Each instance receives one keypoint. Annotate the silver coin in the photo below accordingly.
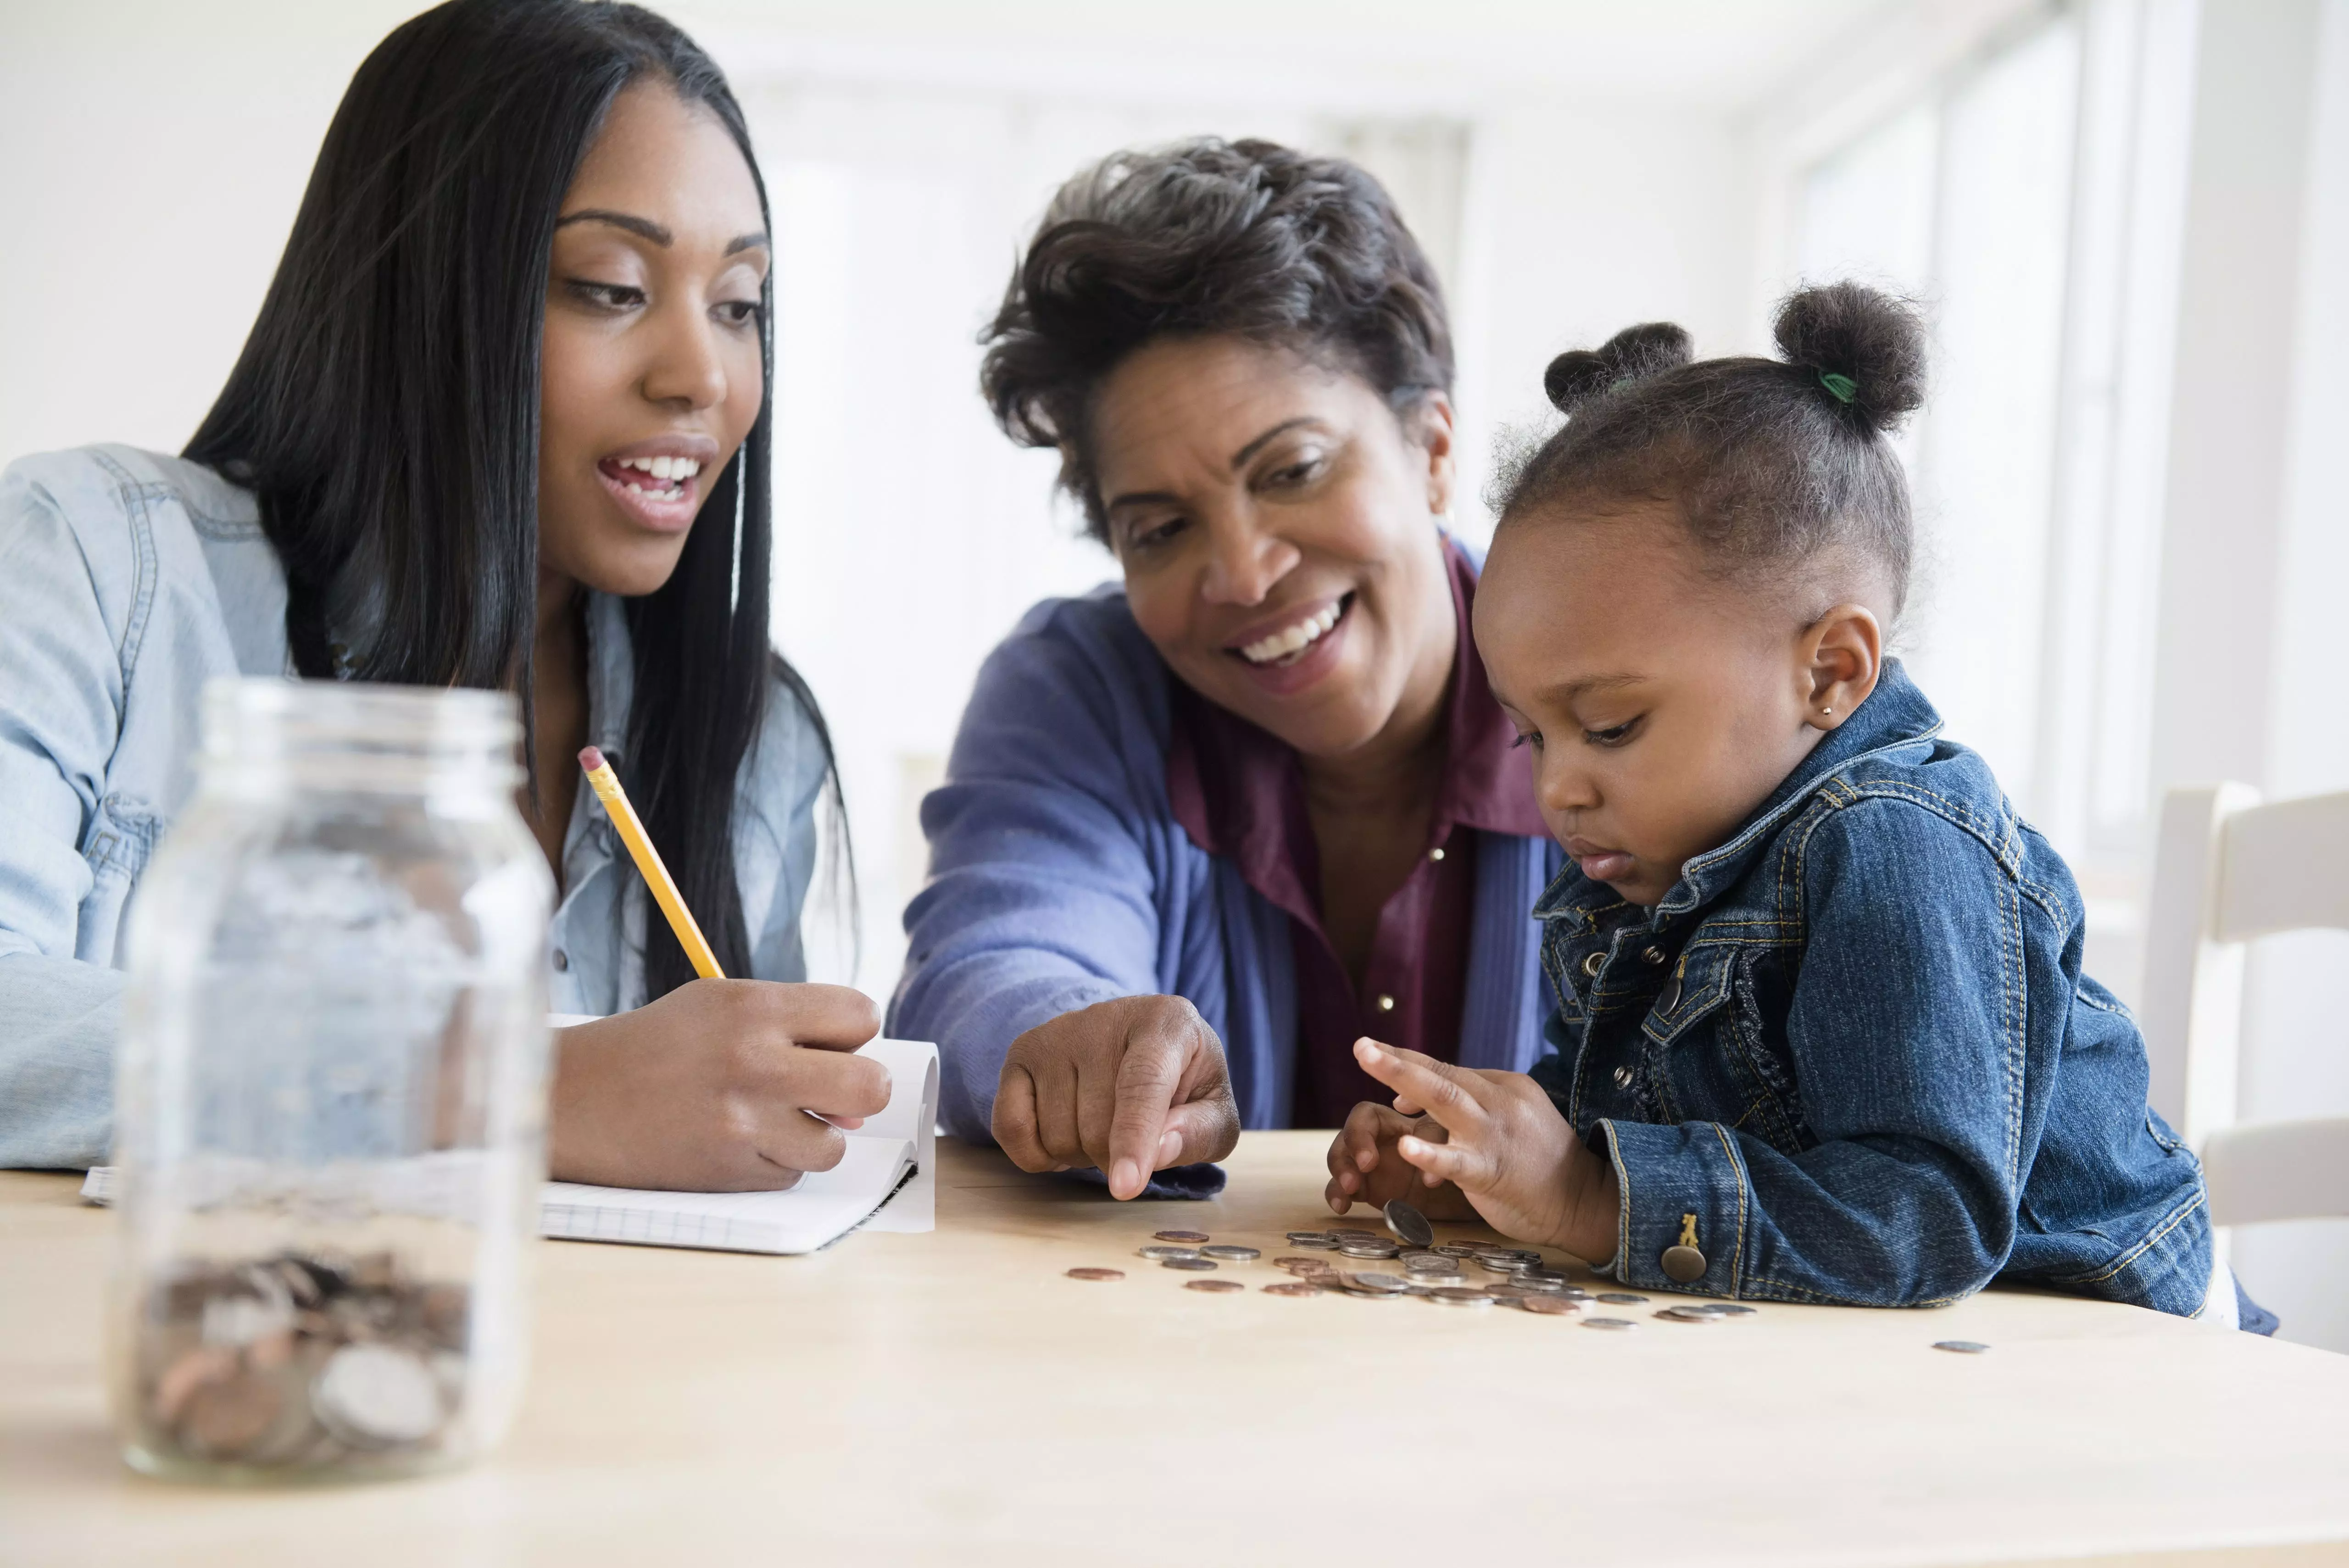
(1453, 1250)
(1231, 1255)
(1535, 1279)
(1451, 1279)
(1370, 1294)
(1379, 1250)
(1458, 1295)
(1300, 1238)
(1161, 1255)
(1315, 1244)
(1189, 1265)
(1690, 1315)
(1613, 1324)
(1724, 1309)
(1620, 1298)
(1379, 1282)
(1409, 1224)
(1347, 1233)
(377, 1397)
(1429, 1263)
(1962, 1346)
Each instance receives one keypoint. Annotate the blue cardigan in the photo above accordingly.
(1059, 878)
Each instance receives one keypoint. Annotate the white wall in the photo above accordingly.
(152, 155)
(2289, 586)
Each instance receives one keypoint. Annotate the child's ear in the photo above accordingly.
(1843, 655)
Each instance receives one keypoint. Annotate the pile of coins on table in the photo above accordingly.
(301, 1363)
(1432, 1271)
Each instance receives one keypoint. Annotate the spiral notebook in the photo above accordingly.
(887, 1180)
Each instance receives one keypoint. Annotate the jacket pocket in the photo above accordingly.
(1708, 1053)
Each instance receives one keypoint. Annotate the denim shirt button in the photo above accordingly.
(1622, 1078)
(1592, 964)
(1653, 955)
(1682, 1264)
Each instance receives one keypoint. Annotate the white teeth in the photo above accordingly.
(664, 468)
(1280, 644)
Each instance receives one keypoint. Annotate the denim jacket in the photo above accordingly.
(127, 581)
(1851, 1057)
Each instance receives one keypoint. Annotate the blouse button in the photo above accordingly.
(1653, 955)
(1592, 964)
(1386, 1003)
(1436, 853)
(1623, 1077)
(562, 961)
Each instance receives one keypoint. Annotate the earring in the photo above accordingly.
(1826, 712)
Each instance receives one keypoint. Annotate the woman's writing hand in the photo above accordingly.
(708, 1089)
(1130, 1087)
(1506, 1148)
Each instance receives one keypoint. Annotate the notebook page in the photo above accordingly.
(824, 1206)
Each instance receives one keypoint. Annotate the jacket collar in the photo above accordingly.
(1895, 714)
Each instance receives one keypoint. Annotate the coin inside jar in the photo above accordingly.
(1231, 1255)
(1191, 1236)
(1216, 1286)
(377, 1396)
(1096, 1273)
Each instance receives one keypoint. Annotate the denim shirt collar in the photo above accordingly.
(1895, 714)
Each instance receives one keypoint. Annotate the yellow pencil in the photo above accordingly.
(640, 847)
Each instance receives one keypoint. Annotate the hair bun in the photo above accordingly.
(1874, 341)
(1633, 354)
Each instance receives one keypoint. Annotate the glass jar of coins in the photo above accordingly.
(331, 1092)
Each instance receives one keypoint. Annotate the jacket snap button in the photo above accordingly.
(1672, 996)
(1622, 1078)
(1653, 955)
(1592, 964)
(562, 960)
(1682, 1264)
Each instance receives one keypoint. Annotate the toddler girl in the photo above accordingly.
(1822, 1033)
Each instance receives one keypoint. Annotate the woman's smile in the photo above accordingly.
(1293, 650)
(658, 483)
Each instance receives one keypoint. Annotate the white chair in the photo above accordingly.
(2229, 869)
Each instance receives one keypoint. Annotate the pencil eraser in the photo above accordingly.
(590, 758)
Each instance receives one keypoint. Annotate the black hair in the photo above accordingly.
(1767, 462)
(386, 412)
(1203, 239)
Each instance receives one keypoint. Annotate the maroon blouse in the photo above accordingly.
(1240, 793)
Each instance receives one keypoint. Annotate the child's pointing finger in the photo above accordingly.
(1439, 1090)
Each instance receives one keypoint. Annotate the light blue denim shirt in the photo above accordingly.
(127, 581)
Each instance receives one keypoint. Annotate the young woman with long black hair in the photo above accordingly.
(503, 422)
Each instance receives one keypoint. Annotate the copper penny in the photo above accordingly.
(1217, 1286)
(1096, 1273)
(222, 1419)
(1194, 1237)
(1548, 1305)
(1294, 1287)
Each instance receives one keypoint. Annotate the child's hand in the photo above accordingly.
(1364, 1167)
(1506, 1148)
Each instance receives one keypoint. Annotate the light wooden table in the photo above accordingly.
(953, 1398)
